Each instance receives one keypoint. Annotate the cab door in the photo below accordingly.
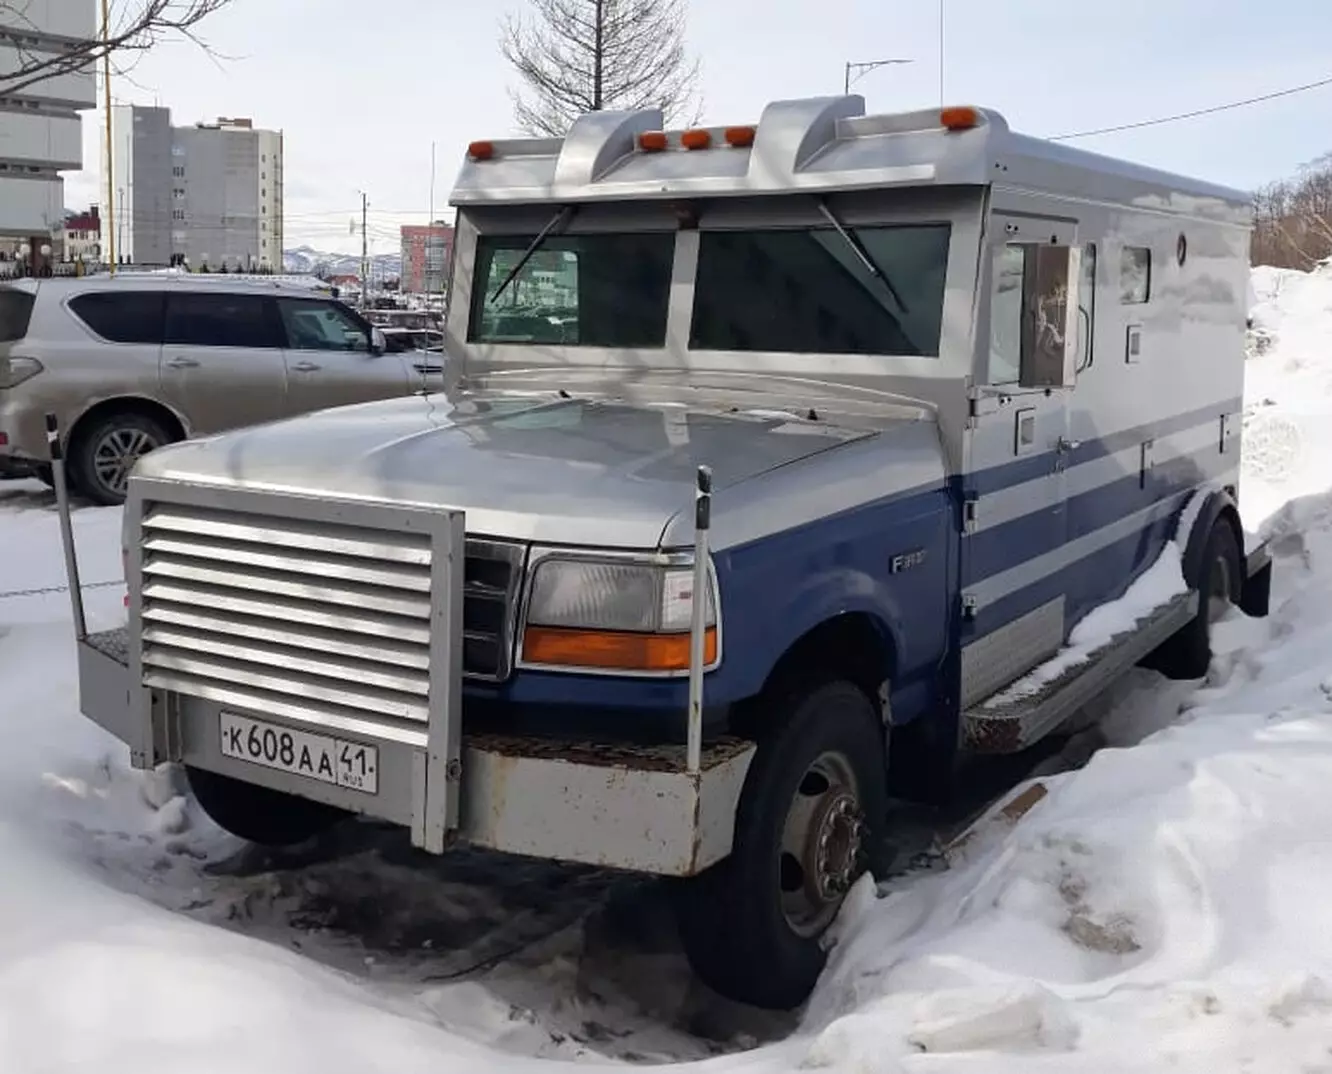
(1018, 449)
(330, 357)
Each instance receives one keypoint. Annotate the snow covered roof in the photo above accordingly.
(822, 144)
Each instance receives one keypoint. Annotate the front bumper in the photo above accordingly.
(617, 806)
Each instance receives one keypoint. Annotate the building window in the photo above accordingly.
(263, 226)
(263, 243)
(263, 193)
(1135, 275)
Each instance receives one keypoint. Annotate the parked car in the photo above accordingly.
(132, 362)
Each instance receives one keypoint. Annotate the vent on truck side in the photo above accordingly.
(281, 612)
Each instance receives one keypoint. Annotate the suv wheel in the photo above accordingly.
(106, 451)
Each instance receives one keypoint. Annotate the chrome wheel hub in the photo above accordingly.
(822, 850)
(115, 455)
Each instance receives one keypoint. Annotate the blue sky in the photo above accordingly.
(361, 90)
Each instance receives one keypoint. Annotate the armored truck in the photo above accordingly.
(774, 465)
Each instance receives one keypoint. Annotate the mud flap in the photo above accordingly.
(1256, 592)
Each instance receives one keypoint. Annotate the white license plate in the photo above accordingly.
(338, 761)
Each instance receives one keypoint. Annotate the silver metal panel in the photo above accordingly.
(998, 586)
(824, 143)
(1010, 724)
(444, 724)
(105, 694)
(605, 806)
(1003, 655)
(997, 508)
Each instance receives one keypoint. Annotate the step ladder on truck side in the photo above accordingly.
(778, 468)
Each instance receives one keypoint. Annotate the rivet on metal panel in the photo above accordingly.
(453, 770)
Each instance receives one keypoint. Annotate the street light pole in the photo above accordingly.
(856, 71)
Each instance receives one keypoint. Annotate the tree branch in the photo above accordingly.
(142, 24)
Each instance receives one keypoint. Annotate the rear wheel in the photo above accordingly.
(1188, 654)
(258, 814)
(810, 819)
(104, 453)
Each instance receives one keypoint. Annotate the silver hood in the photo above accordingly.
(563, 471)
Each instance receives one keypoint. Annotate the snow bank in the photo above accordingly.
(1288, 390)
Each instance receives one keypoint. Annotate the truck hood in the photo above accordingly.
(569, 471)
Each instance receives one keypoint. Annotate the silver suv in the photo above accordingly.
(132, 362)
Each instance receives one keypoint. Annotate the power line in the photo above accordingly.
(1196, 113)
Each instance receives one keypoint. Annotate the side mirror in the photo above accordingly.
(1050, 308)
(378, 344)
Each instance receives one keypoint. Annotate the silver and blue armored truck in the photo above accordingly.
(773, 457)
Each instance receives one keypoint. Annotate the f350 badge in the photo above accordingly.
(905, 561)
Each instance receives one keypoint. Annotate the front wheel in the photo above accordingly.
(258, 814)
(810, 819)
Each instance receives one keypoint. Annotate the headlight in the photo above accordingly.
(614, 616)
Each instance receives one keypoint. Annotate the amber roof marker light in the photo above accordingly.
(961, 118)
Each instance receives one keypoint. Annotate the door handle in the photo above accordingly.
(1064, 445)
(181, 362)
(306, 367)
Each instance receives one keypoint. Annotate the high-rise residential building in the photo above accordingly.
(425, 257)
(210, 194)
(40, 128)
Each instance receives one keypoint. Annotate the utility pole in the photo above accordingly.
(858, 70)
(365, 250)
(106, 93)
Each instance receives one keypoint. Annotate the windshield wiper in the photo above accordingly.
(863, 256)
(559, 220)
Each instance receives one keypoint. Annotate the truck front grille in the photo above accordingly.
(286, 613)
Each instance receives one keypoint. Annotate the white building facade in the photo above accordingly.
(210, 194)
(40, 126)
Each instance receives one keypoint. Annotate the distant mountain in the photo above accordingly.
(308, 259)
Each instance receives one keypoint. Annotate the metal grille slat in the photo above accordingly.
(275, 680)
(295, 613)
(318, 565)
(340, 643)
(284, 533)
(265, 581)
(342, 668)
(331, 717)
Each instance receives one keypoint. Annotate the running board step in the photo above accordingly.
(1015, 718)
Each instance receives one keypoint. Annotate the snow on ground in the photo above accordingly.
(1161, 908)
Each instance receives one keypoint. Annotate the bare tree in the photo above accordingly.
(136, 26)
(577, 56)
(1293, 218)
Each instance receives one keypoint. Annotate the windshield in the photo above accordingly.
(809, 290)
(602, 290)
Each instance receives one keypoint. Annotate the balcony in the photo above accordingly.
(30, 206)
(34, 138)
(79, 88)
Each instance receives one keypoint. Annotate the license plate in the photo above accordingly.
(338, 761)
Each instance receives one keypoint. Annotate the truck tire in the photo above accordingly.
(103, 453)
(810, 818)
(1188, 654)
(258, 814)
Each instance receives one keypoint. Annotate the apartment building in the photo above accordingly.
(40, 127)
(208, 194)
(425, 257)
